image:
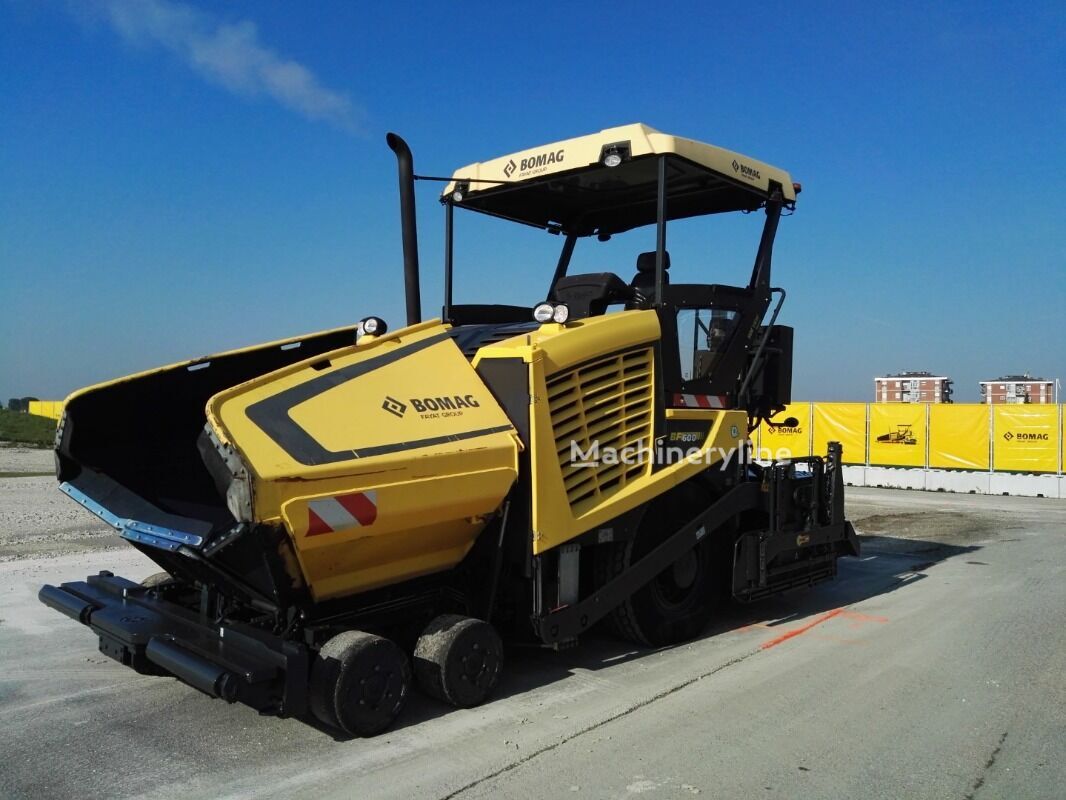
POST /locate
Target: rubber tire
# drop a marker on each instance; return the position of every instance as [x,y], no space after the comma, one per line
[157,580]
[340,673]
[647,617]
[440,668]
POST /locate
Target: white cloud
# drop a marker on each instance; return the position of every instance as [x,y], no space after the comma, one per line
[228,54]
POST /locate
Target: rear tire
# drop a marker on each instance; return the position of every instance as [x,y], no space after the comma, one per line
[458,660]
[677,604]
[359,683]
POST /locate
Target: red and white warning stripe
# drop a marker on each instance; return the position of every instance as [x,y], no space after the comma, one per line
[343,511]
[700,400]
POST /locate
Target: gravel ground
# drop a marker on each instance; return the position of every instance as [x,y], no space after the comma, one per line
[26,459]
[37,520]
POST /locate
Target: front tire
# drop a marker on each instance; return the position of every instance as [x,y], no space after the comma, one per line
[676,605]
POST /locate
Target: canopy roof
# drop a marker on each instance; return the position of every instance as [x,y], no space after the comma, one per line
[566,186]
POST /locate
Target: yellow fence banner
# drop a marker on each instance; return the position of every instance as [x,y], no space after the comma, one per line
[782,442]
[1025,438]
[958,436]
[897,434]
[844,423]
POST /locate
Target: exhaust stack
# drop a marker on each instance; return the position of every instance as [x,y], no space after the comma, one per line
[405,165]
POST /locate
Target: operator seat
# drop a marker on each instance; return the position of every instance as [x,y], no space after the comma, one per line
[644,281]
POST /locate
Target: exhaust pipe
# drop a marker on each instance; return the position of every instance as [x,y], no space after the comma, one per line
[405,164]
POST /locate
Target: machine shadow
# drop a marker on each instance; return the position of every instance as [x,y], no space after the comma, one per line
[887,565]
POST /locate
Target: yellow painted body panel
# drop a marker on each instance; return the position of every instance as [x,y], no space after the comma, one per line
[550,351]
[423,526]
[437,473]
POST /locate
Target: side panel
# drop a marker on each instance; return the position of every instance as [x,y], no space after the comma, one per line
[383,462]
[372,534]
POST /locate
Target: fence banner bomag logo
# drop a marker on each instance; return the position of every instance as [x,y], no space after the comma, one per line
[1026,437]
[432,407]
[784,430]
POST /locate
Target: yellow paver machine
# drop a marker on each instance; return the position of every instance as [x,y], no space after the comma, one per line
[343,515]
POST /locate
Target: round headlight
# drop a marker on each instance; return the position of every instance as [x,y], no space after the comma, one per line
[612,160]
[372,326]
[457,196]
[561,313]
[543,312]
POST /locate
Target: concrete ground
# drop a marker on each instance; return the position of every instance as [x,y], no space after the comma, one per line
[931,668]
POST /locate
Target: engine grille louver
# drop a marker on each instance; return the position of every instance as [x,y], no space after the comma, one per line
[607,401]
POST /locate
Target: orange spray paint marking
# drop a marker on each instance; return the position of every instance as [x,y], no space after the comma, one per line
[784,637]
[857,619]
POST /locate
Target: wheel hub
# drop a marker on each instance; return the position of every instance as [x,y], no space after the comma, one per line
[685,569]
[674,586]
[376,688]
[475,665]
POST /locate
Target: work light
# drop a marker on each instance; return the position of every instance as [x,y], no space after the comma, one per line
[371,326]
[543,312]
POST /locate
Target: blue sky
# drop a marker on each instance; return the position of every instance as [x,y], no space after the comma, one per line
[181,178]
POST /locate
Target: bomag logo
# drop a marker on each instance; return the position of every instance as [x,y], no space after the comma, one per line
[394,406]
[1026,437]
[454,405]
[421,404]
[431,407]
[745,171]
[534,164]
